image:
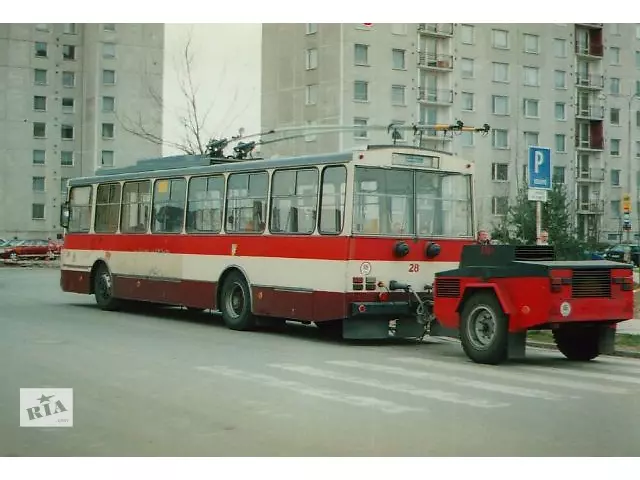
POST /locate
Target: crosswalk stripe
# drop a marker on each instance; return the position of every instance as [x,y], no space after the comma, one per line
[460,381]
[301,388]
[439,395]
[513,374]
[612,377]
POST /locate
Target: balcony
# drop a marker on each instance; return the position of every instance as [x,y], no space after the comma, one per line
[434,61]
[590,112]
[595,82]
[434,96]
[436,29]
[590,175]
[590,51]
[590,207]
[586,143]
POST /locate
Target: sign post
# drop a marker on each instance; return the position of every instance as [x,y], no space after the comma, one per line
[539,180]
[626,209]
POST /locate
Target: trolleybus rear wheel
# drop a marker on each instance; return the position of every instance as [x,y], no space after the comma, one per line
[578,343]
[103,289]
[236,303]
[484,329]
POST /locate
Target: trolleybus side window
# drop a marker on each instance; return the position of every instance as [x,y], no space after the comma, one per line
[246,202]
[136,207]
[107,208]
[332,200]
[169,197]
[383,202]
[204,208]
[80,200]
[444,204]
[294,199]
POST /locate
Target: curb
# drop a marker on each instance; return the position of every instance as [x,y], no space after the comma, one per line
[552,346]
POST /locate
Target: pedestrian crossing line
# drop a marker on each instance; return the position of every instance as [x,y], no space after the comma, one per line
[460,381]
[304,389]
[612,377]
[516,375]
[440,395]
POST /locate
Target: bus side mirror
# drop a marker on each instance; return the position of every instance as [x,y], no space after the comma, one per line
[65,215]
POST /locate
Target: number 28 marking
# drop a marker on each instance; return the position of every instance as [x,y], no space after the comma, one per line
[414,267]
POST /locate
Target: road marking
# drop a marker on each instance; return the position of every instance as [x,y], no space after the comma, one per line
[516,375]
[439,395]
[612,377]
[301,388]
[460,381]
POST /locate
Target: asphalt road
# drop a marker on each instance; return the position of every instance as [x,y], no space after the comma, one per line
[169,383]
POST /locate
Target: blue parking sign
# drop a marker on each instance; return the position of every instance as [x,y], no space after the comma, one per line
[540,168]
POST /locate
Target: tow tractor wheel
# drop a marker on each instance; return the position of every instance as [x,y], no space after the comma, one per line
[484,329]
[578,342]
[330,328]
[235,303]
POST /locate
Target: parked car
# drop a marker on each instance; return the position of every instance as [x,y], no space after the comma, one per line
[31,249]
[617,253]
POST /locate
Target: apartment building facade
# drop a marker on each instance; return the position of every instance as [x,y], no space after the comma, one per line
[570,87]
[66,90]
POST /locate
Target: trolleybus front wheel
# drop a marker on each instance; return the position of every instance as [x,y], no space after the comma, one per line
[103,289]
[235,303]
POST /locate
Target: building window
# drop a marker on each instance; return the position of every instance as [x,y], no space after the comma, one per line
[614,116]
[311,94]
[398,29]
[68,79]
[310,137]
[615,28]
[360,122]
[500,172]
[500,139]
[560,47]
[109,27]
[560,78]
[42,27]
[311,59]
[37,211]
[39,130]
[41,49]
[108,50]
[500,104]
[560,111]
[615,55]
[360,91]
[467,139]
[398,95]
[467,34]
[531,43]
[558,175]
[637,59]
[531,139]
[615,147]
[614,86]
[561,143]
[66,132]
[638,118]
[39,76]
[467,101]
[500,72]
[108,104]
[500,39]
[108,77]
[531,108]
[499,205]
[616,208]
[70,28]
[361,54]
[466,67]
[68,105]
[531,76]
[637,88]
[66,158]
[107,130]
[107,158]
[39,157]
[311,28]
[398,59]
[37,184]
[40,103]
[615,178]
[69,52]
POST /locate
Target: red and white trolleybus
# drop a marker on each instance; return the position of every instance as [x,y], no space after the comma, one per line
[316,238]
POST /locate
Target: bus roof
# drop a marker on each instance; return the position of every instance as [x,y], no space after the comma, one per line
[181,165]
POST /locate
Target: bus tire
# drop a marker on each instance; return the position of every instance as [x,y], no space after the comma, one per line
[484,329]
[235,303]
[103,289]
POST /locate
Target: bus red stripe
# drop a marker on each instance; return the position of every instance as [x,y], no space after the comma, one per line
[301,247]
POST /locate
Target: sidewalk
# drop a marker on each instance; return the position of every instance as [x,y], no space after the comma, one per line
[629,326]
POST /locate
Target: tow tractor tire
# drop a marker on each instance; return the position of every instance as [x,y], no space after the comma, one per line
[330,329]
[484,329]
[235,303]
[578,343]
[103,289]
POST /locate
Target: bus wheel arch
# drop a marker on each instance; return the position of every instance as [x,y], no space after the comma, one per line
[235,301]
